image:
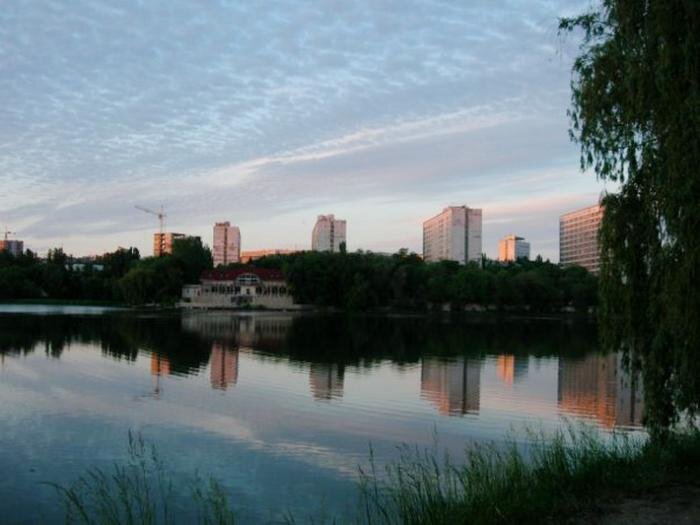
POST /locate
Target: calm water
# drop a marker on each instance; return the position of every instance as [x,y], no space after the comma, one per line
[281,408]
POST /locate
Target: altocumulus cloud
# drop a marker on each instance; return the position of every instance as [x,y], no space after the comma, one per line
[267,114]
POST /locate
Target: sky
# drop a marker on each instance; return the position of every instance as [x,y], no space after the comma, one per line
[267,114]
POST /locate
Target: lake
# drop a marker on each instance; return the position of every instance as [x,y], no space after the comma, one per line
[281,408]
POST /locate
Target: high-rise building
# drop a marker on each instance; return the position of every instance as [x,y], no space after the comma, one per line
[328,234]
[578,238]
[163,242]
[453,235]
[512,248]
[226,248]
[13,246]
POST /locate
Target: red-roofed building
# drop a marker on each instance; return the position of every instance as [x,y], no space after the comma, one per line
[240,287]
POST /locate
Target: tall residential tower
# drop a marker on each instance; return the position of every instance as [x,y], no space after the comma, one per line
[453,235]
[512,248]
[328,234]
[226,248]
[578,238]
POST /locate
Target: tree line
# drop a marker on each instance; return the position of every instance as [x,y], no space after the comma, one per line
[122,276]
[348,281]
[366,281]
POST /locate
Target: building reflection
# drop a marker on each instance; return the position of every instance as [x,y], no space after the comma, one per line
[326,381]
[160,365]
[265,332]
[511,369]
[600,387]
[223,366]
[452,386]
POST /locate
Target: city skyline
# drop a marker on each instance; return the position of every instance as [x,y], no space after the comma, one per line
[293,111]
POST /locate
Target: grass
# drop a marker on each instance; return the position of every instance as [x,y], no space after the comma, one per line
[141,491]
[554,478]
[557,478]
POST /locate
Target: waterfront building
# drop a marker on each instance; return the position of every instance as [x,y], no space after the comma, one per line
[578,238]
[251,255]
[163,243]
[452,386]
[453,235]
[226,246]
[239,287]
[511,248]
[13,246]
[328,234]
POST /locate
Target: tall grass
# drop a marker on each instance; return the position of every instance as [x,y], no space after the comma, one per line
[140,491]
[553,478]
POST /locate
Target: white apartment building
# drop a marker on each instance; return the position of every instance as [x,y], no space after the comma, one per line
[226,247]
[453,235]
[578,238]
[512,248]
[328,234]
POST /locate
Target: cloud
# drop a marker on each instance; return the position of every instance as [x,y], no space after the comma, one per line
[229,111]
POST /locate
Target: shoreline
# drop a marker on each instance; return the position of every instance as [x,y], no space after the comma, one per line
[469,314]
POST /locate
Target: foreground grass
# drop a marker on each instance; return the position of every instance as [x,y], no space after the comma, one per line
[558,477]
[553,479]
[140,492]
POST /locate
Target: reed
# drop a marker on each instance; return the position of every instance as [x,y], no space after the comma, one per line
[554,478]
[140,491]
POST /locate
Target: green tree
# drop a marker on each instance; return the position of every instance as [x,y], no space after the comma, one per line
[636,115]
[193,256]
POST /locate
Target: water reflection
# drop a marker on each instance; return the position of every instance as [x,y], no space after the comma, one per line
[511,368]
[599,387]
[223,366]
[282,407]
[452,386]
[453,358]
[326,381]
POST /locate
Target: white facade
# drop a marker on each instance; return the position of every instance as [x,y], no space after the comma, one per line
[328,234]
[512,248]
[578,238]
[239,288]
[226,247]
[453,235]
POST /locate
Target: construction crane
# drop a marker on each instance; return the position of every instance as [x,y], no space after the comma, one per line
[160,214]
[7,233]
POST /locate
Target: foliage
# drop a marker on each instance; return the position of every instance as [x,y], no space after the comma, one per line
[119,276]
[193,257]
[360,281]
[636,115]
[554,477]
[141,491]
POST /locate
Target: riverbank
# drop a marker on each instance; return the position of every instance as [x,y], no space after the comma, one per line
[573,478]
